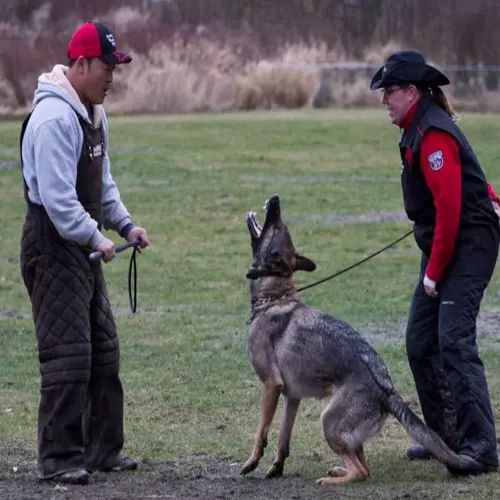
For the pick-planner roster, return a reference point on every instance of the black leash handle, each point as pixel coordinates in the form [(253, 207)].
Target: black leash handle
[(132, 270), (338, 273), (118, 248)]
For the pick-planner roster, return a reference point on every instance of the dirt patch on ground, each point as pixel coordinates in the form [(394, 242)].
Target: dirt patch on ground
[(131, 148), (8, 164), (9, 151), (381, 216), (308, 179), (488, 323), (196, 477)]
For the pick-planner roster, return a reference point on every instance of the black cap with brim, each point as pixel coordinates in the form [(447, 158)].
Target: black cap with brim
[(408, 66)]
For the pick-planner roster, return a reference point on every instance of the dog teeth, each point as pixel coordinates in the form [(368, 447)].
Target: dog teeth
[(250, 217)]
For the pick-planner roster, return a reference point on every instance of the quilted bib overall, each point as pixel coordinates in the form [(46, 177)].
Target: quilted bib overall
[(80, 419)]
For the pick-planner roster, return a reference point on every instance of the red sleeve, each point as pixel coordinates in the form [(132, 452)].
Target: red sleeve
[(440, 164), (491, 192)]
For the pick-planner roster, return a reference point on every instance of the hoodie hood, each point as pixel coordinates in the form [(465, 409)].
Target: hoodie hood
[(55, 84)]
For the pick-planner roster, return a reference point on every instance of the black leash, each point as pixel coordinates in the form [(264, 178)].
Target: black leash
[(132, 266), (338, 273), (132, 270)]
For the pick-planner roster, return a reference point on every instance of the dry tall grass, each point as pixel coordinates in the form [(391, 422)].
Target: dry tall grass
[(206, 75), (208, 70)]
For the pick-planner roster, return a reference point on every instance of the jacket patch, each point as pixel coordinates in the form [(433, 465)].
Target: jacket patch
[(436, 160)]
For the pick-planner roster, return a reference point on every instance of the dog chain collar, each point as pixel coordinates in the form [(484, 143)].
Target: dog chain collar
[(257, 306)]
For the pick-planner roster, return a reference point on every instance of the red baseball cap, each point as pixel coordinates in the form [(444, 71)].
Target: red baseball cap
[(95, 40)]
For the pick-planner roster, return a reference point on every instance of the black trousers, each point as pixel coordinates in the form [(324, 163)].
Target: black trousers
[(80, 415), (443, 354), (79, 426)]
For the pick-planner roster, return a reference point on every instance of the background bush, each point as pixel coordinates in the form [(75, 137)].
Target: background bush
[(218, 55)]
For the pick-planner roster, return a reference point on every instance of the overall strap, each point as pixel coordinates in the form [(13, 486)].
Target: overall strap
[(21, 137)]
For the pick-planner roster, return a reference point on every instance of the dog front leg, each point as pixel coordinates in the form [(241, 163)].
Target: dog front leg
[(290, 408), (269, 401)]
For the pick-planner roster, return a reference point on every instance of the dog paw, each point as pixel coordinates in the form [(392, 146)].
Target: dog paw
[(276, 470), (337, 472), (329, 480), (249, 466)]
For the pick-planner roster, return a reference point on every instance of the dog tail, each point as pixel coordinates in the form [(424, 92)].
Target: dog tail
[(422, 434)]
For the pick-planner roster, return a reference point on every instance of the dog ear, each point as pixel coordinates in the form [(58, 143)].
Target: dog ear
[(304, 264)]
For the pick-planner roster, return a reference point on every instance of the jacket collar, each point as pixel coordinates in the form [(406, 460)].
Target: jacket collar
[(406, 122)]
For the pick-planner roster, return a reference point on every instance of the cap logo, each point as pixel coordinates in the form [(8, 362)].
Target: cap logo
[(384, 70), (111, 39)]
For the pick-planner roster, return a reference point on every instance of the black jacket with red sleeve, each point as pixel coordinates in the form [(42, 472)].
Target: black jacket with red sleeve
[(439, 227)]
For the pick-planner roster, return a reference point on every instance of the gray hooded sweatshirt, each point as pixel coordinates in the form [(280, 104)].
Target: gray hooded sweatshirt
[(50, 152)]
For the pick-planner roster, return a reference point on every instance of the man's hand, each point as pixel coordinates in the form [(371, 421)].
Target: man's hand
[(107, 249), (138, 234)]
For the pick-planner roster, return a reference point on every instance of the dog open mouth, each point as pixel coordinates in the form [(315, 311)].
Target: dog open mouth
[(272, 211), (253, 225)]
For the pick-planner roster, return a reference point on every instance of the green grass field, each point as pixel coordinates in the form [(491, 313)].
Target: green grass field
[(189, 180)]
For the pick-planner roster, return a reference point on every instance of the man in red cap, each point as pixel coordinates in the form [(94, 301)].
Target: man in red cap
[(71, 196)]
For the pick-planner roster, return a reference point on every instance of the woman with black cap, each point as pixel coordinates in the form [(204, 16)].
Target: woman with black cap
[(447, 197)]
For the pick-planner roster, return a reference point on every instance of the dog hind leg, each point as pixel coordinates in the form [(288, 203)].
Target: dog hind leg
[(337, 472), (360, 453), (354, 471), (342, 471), (348, 421)]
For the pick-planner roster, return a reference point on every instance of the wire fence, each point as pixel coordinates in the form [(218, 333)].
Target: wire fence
[(357, 65), (468, 80)]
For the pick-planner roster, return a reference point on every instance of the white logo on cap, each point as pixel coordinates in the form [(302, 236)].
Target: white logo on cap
[(111, 39)]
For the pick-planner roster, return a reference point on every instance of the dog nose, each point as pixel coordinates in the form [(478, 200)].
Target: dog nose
[(272, 200)]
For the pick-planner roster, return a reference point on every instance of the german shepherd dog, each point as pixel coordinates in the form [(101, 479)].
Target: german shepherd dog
[(301, 352)]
